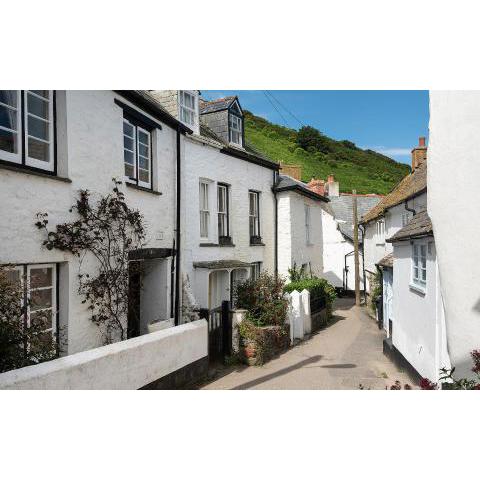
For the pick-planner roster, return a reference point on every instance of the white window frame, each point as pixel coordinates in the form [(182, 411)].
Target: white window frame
[(223, 215), (307, 224), (30, 161), (9, 156), (237, 127), (135, 180), (256, 270), (185, 108), (419, 265), (204, 208), (405, 218), (380, 231), (254, 216)]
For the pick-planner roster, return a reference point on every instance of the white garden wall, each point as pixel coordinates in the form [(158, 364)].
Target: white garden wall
[(130, 364)]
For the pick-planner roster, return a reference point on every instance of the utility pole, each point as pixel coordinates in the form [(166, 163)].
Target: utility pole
[(355, 249)]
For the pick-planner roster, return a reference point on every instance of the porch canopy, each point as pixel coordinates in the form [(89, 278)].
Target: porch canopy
[(222, 264), (150, 253)]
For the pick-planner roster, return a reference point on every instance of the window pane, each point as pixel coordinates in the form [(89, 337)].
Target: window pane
[(9, 97), (128, 143), (41, 319), (8, 118), (144, 175), (42, 93), (129, 170), (38, 149), (37, 128), (8, 141), (143, 163), (143, 137), (128, 157), (127, 129), (37, 106), (40, 277), (40, 299), (143, 151), (424, 275), (415, 272)]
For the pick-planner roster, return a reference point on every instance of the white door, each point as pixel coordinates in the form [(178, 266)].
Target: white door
[(387, 299), (218, 288)]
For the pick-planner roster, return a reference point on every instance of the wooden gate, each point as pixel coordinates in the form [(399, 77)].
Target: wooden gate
[(219, 331)]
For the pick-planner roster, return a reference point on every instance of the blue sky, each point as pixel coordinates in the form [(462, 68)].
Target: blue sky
[(388, 121)]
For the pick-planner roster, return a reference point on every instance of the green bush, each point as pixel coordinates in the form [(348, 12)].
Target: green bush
[(318, 287), (263, 298)]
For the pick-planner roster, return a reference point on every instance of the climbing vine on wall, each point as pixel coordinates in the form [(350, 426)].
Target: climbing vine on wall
[(107, 230)]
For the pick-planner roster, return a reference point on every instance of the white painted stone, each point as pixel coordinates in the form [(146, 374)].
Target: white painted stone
[(131, 364), (307, 319)]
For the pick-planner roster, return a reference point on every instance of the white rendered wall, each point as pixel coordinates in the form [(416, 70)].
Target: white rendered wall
[(453, 204), (90, 153), (131, 364), (418, 330), (204, 161), (292, 243)]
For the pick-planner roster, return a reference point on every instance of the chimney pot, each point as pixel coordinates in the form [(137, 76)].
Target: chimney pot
[(331, 178), (421, 142)]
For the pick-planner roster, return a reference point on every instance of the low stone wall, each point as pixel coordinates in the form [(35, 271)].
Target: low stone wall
[(261, 344), (164, 359), (319, 319)]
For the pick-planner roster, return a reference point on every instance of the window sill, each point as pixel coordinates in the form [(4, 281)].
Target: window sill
[(257, 244), (142, 189), (27, 171), (418, 289), (216, 245), (380, 244)]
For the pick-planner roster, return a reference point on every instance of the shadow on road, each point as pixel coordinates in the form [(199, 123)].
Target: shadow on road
[(283, 371)]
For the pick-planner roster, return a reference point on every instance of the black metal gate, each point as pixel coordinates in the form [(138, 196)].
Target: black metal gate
[(219, 331)]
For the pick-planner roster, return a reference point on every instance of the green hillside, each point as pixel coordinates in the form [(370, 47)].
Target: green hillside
[(364, 170)]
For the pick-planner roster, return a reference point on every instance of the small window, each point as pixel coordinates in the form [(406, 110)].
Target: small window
[(405, 218), (204, 210), (27, 128), (223, 211), (307, 225), (254, 217), (256, 269), (188, 108), (40, 290), (380, 225), (419, 266), (137, 154), (236, 134)]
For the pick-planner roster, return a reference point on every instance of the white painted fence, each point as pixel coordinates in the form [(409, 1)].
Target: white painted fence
[(130, 364), (299, 317)]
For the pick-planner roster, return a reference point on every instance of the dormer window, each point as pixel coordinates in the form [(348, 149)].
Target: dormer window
[(236, 134), (188, 104)]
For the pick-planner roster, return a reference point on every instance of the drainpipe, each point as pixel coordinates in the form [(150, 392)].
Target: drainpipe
[(408, 209), (362, 228), (275, 258), (172, 280), (177, 234)]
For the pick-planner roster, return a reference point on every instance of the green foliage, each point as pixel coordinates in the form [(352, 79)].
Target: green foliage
[(263, 298), (364, 170), (297, 273), (318, 288), (376, 288)]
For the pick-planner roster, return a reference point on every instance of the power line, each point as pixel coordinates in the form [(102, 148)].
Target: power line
[(275, 107), (285, 108)]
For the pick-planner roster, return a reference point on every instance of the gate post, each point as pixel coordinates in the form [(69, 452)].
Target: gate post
[(227, 328)]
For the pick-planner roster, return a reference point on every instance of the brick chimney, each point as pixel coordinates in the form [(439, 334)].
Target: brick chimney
[(317, 186), (419, 154), (332, 188)]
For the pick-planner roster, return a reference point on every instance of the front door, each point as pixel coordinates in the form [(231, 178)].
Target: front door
[(387, 300), (239, 275), (218, 288)]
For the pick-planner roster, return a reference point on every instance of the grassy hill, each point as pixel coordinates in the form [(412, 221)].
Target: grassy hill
[(364, 170)]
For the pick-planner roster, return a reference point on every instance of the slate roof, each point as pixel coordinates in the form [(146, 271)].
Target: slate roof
[(410, 186), (419, 226), (342, 208), (287, 183), (386, 261), (216, 105)]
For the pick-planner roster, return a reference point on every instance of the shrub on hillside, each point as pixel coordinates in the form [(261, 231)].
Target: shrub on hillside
[(263, 298), (311, 137)]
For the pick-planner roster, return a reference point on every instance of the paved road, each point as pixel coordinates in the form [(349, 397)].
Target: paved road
[(344, 355)]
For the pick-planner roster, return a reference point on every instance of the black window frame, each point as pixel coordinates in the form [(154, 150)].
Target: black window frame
[(23, 165), (255, 239), (224, 239)]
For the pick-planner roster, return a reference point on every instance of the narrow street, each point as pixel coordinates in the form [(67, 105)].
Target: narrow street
[(342, 356)]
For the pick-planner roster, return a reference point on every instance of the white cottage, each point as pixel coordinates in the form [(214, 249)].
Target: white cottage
[(54, 143), (300, 234), (228, 206)]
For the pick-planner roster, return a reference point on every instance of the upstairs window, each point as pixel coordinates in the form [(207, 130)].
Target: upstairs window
[(27, 128), (256, 270), (137, 154), (235, 129), (223, 212), (405, 218), (307, 225), (188, 108), (380, 226), (254, 217), (204, 210), (419, 271)]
